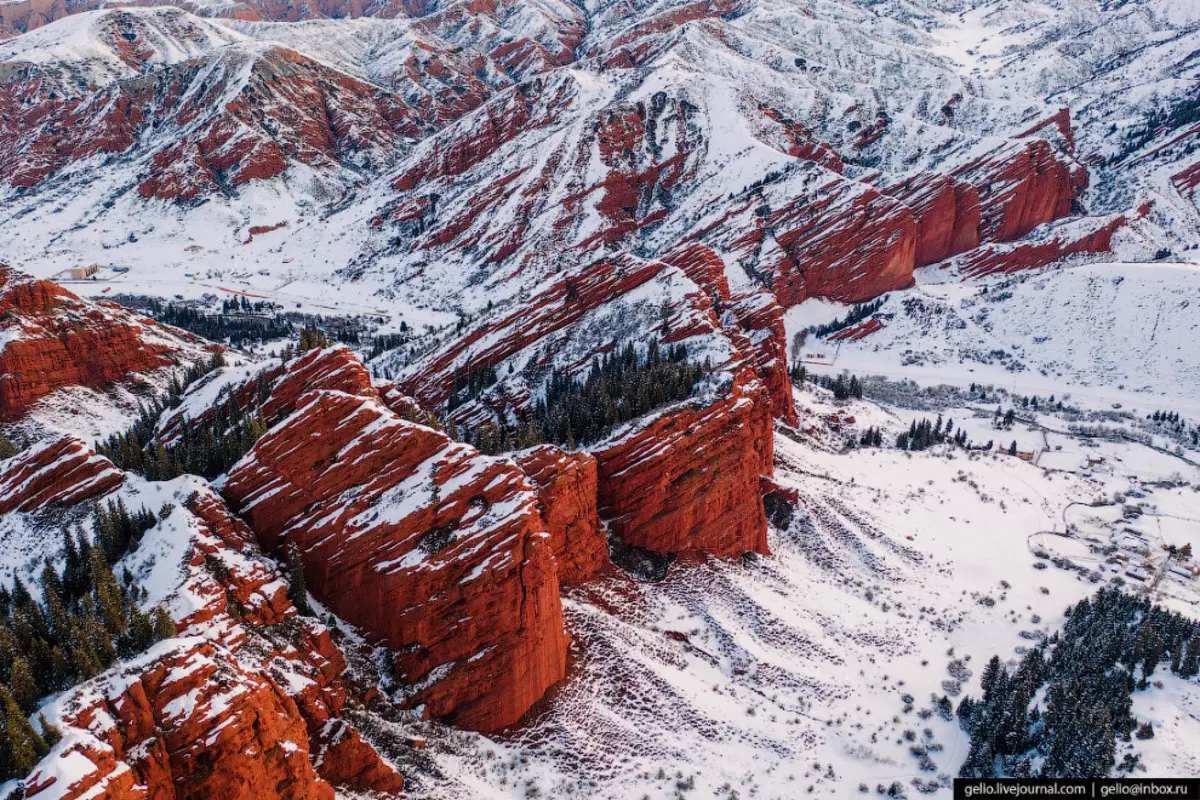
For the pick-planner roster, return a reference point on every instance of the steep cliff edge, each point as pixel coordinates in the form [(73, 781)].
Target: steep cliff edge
[(436, 551), (50, 338), (242, 702)]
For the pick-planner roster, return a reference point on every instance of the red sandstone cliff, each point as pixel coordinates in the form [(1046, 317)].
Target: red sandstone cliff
[(49, 338), (688, 481), (434, 550), (244, 703), (62, 472), (566, 485)]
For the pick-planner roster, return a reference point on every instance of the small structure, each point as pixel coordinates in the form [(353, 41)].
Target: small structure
[(1136, 573), (83, 273), (193, 248)]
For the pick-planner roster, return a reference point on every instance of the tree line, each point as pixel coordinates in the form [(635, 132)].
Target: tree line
[(207, 445), (572, 411), (855, 315), (619, 387), (1109, 647), (923, 434), (83, 622)]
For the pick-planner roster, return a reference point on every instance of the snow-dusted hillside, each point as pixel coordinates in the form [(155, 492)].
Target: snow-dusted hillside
[(1105, 333), (900, 577), (489, 201), (452, 175)]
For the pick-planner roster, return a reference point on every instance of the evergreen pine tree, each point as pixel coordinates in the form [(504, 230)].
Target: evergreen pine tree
[(297, 587)]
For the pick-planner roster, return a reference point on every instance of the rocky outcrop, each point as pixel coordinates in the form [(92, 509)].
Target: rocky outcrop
[(240, 112), (244, 703), (753, 318), (999, 197), (688, 481), (1021, 186), (185, 721), (49, 338), (334, 368), (1089, 235), (566, 485), (947, 214), (62, 472), (843, 242), (436, 551)]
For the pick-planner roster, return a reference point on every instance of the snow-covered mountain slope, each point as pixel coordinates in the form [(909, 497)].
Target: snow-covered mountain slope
[(582, 226), (823, 150), (80, 366), (1111, 333)]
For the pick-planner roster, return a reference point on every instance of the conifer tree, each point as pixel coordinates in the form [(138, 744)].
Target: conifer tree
[(163, 625), (297, 587), (25, 746)]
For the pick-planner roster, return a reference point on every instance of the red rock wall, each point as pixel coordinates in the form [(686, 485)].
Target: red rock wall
[(193, 724), (1023, 186), (688, 482), (566, 485), (208, 715), (1021, 256), (66, 341), (947, 214), (62, 472), (335, 368), (840, 242), (459, 581)]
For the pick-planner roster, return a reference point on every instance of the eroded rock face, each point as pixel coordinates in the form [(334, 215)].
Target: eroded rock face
[(336, 369), (566, 485), (437, 551), (244, 703), (187, 721), (61, 472), (688, 482), (49, 338), (1023, 186), (947, 214), (1056, 245)]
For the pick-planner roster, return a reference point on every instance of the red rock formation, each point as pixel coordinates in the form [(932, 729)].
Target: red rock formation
[(566, 486), (343, 758), (688, 481), (947, 214), (244, 704), (62, 472), (241, 114), (53, 339), (334, 368), (755, 315), (435, 550), (840, 241), (1061, 121), (669, 20), (991, 259), (860, 331), (1022, 186), (185, 721), (258, 230)]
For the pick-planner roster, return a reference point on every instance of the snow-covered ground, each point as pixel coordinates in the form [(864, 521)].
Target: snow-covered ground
[(812, 671), (1104, 333)]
